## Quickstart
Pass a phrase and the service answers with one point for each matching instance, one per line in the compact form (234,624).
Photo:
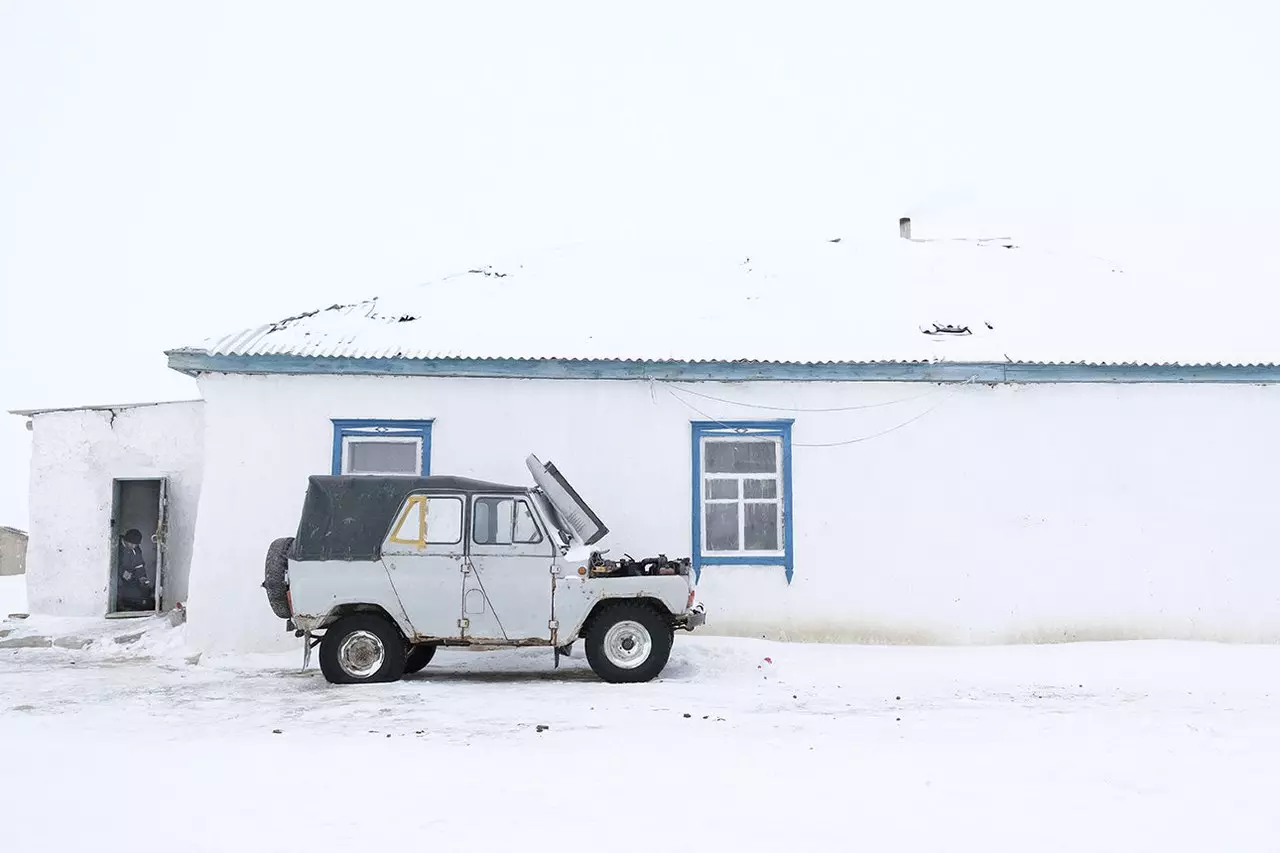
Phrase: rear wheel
(362,649)
(417,658)
(628,643)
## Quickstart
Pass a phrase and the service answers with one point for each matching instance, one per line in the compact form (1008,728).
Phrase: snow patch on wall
(1004,514)
(75,455)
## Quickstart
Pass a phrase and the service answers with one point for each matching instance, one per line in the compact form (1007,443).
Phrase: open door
(139,523)
(160,540)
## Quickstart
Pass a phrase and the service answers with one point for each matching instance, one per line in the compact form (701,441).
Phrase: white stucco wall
(74,458)
(1009,513)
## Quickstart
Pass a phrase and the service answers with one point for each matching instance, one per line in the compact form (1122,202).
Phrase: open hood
(583,523)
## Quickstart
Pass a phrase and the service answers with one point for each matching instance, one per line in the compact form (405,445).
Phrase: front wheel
(628,643)
(362,649)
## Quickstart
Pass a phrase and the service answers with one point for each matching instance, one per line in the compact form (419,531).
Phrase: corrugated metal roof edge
(193,362)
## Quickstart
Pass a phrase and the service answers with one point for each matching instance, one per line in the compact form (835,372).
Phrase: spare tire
(276,580)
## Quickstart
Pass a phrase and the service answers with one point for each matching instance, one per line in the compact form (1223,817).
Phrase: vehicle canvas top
(347,517)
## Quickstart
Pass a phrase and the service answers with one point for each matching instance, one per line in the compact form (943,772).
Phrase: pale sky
(173,170)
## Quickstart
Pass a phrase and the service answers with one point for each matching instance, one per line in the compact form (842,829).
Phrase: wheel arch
(609,601)
(338,611)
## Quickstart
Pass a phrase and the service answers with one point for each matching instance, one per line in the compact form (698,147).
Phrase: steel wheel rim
(627,644)
(361,654)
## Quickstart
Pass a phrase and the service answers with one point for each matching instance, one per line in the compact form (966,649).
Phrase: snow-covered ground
(13,595)
(742,745)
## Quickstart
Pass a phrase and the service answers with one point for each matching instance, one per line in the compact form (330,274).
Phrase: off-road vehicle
(383,570)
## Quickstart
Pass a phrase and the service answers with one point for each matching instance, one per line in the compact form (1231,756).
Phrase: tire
(607,643)
(276,577)
(418,657)
(362,649)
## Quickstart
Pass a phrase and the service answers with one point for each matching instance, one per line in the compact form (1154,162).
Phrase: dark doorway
(137,547)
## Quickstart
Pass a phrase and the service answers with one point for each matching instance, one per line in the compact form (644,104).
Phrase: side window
(382,447)
(487,516)
(742,501)
(381,456)
(427,521)
(526,529)
(742,494)
(503,521)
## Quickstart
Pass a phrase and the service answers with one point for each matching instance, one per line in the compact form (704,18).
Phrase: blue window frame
(381,447)
(742,495)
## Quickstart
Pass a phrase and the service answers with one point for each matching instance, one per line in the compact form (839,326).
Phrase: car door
(508,589)
(424,556)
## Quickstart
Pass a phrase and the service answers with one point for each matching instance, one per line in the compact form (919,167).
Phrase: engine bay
(628,567)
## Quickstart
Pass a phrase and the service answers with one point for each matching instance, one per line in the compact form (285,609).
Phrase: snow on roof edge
(28,413)
(887,362)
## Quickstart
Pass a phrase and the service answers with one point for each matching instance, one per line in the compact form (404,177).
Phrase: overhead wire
(745,430)
(762,407)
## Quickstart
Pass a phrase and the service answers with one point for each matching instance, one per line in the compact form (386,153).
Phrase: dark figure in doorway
(134,590)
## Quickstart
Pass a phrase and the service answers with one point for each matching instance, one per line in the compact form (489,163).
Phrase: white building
(950,442)
(96,473)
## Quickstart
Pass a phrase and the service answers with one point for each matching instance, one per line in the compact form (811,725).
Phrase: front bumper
(694,618)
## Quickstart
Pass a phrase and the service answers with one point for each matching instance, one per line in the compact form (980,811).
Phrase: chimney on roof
(904,228)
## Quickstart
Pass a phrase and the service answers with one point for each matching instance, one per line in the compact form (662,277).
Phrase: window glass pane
(410,529)
(761,525)
(526,528)
(760,488)
(722,489)
(741,457)
(370,456)
(492,524)
(444,521)
(502,526)
(722,527)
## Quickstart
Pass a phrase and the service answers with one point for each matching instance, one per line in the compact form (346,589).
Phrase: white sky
(174,170)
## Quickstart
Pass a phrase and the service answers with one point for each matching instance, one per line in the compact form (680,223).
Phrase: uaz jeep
(384,570)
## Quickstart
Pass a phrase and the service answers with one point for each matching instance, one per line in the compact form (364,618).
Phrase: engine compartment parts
(629,567)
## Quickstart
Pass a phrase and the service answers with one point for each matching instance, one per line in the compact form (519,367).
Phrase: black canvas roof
(347,517)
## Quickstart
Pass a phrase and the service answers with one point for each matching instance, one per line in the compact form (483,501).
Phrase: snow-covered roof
(820,301)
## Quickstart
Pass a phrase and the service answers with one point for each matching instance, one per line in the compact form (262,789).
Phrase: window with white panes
(742,493)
